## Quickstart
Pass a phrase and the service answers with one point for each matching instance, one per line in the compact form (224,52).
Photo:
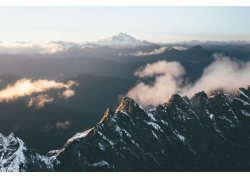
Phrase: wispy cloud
(180,48)
(224,73)
(63,125)
(158,51)
(155,51)
(40,100)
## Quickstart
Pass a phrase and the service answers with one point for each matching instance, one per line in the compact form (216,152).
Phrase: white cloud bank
(224,73)
(39,47)
(27,87)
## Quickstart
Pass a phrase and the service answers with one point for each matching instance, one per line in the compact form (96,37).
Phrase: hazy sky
(157,24)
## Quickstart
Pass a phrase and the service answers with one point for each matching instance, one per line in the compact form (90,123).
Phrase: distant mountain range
(207,43)
(116,43)
(123,40)
(204,133)
(120,63)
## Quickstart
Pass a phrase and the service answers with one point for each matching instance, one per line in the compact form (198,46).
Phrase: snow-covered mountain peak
(120,37)
(122,40)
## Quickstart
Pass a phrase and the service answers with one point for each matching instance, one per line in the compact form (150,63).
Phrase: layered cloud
(224,73)
(27,87)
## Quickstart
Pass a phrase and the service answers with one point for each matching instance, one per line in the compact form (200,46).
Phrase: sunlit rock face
(203,133)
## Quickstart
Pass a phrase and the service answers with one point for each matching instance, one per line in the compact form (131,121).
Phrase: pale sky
(156,24)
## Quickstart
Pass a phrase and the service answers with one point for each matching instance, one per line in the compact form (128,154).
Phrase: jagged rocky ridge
(14,156)
(198,134)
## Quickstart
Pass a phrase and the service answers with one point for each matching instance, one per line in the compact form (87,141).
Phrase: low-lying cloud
(159,51)
(180,48)
(167,82)
(67,93)
(29,48)
(27,87)
(38,48)
(224,73)
(155,51)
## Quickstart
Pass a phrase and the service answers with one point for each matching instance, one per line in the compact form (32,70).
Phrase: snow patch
(245,113)
(164,122)
(244,102)
(151,116)
(243,94)
(211,116)
(154,135)
(155,126)
(101,146)
(79,135)
(100,164)
(182,138)
(118,129)
(126,132)
(105,138)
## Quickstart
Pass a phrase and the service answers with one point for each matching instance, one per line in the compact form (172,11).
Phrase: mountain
(197,49)
(111,48)
(15,156)
(122,40)
(58,120)
(118,41)
(203,133)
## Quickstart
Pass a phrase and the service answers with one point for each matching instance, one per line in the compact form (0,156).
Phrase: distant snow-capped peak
(122,40)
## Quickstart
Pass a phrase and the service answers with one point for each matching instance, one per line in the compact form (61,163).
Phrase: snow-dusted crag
(204,133)
(14,156)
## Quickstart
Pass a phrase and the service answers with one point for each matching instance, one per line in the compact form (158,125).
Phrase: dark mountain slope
(198,134)
(78,113)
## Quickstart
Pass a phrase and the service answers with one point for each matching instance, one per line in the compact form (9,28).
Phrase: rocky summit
(204,133)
